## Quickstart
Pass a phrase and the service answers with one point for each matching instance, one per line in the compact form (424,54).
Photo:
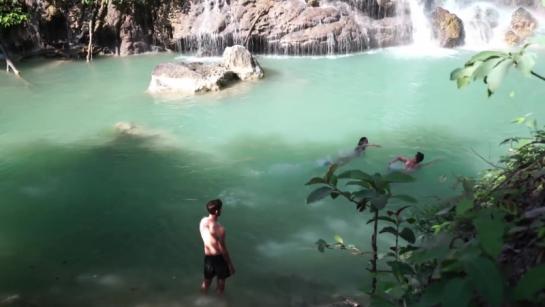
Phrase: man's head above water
(214,207)
(419,157)
(363,141)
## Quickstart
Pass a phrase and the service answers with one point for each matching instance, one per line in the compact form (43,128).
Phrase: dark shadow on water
(115,223)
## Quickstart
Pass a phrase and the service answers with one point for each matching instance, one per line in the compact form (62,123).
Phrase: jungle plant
(492,66)
(372,193)
(11,13)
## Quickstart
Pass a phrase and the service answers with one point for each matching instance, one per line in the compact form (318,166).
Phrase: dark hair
(419,157)
(363,140)
(214,206)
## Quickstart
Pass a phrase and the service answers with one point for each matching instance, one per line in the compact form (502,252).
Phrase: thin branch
(485,160)
(537,75)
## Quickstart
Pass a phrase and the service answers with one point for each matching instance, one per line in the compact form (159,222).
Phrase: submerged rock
(196,77)
(447,28)
(523,25)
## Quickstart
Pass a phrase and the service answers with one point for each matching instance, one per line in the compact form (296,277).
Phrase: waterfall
(485,23)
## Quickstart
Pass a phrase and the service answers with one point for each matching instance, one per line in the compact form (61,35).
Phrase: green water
(91,217)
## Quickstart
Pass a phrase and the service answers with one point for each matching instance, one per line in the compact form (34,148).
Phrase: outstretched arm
(399,158)
(372,145)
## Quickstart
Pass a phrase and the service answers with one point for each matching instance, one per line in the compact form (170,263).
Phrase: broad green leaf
(424,255)
(400,268)
(496,75)
(315,180)
(519,120)
(318,194)
(398,177)
(404,197)
(525,63)
(490,231)
(485,68)
(432,295)
(339,239)
(408,248)
(379,202)
(532,282)
(486,278)
(464,206)
(356,174)
(465,75)
(389,229)
(486,55)
(408,235)
(457,292)
(365,194)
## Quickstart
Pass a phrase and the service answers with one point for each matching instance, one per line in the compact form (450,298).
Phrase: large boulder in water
(447,28)
(196,77)
(523,25)
(239,60)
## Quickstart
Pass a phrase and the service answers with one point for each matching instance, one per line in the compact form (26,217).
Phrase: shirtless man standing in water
(216,256)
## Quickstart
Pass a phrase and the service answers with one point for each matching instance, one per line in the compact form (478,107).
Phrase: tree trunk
(9,63)
(90,46)
(263,12)
(95,23)
(375,253)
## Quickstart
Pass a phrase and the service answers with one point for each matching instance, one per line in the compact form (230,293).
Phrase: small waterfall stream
(485,23)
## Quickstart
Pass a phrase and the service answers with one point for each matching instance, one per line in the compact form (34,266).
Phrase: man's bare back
(212,234)
(217,262)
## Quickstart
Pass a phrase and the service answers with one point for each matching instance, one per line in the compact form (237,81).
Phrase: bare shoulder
(204,222)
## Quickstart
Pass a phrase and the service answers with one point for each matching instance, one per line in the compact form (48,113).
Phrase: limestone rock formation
(293,26)
(523,25)
(447,28)
(239,60)
(197,77)
(209,26)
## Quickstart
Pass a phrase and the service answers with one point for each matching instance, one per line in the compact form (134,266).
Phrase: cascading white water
(485,23)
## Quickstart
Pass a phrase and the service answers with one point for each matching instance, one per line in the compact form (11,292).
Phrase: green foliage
(11,13)
(492,66)
(373,193)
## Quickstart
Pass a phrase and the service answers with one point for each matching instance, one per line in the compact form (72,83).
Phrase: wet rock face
(192,78)
(447,28)
(523,25)
(291,26)
(239,60)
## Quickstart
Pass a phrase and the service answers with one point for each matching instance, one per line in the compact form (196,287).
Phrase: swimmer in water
(363,143)
(410,164)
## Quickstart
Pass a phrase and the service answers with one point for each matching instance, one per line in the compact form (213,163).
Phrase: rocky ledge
(196,77)
(447,28)
(293,27)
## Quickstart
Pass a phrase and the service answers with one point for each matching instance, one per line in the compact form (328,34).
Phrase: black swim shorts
(215,266)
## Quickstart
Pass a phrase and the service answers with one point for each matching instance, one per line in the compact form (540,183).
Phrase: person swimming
(363,143)
(409,164)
